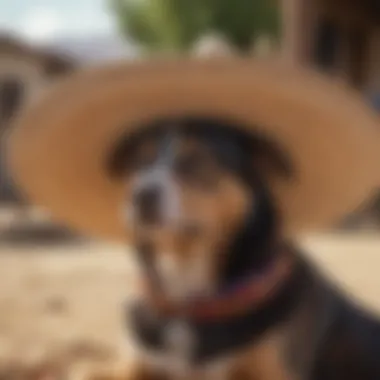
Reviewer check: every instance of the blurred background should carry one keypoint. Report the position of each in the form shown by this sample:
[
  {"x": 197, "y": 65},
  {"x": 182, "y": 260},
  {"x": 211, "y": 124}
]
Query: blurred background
[{"x": 61, "y": 295}]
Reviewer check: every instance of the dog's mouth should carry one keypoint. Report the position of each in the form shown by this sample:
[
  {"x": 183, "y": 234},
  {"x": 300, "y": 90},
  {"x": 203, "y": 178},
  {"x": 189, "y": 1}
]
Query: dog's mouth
[
  {"x": 233, "y": 299},
  {"x": 188, "y": 229}
]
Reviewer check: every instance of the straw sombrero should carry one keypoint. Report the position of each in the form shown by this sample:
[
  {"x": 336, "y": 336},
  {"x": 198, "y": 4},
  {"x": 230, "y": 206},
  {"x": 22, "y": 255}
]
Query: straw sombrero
[{"x": 59, "y": 147}]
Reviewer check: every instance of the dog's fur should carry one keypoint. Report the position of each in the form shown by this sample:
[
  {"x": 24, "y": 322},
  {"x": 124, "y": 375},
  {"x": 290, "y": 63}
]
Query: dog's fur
[{"x": 203, "y": 217}]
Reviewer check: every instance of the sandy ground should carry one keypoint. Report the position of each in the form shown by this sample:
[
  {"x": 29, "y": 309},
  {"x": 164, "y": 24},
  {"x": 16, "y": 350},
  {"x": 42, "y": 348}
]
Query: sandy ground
[{"x": 63, "y": 300}]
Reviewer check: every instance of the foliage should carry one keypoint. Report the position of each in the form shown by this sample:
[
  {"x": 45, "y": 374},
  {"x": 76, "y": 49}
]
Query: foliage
[{"x": 175, "y": 25}]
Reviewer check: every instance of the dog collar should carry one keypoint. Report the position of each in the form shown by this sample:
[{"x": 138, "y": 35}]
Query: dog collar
[
  {"x": 250, "y": 292},
  {"x": 210, "y": 337}
]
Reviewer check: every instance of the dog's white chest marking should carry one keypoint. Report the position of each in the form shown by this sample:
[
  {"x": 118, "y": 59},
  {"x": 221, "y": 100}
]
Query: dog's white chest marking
[
  {"x": 174, "y": 358},
  {"x": 179, "y": 340}
]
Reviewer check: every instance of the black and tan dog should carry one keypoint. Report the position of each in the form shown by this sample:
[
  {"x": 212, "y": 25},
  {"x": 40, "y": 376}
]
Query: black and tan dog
[
  {"x": 212, "y": 207},
  {"x": 227, "y": 297}
]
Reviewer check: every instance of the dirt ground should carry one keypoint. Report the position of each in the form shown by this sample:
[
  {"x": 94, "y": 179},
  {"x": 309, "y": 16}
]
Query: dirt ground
[{"x": 65, "y": 301}]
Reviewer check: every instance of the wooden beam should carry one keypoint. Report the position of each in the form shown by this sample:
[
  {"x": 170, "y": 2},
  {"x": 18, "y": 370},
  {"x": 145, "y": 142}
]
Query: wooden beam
[
  {"x": 299, "y": 21},
  {"x": 351, "y": 12}
]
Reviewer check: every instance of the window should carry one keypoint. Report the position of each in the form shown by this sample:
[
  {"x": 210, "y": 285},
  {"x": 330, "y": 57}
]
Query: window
[
  {"x": 327, "y": 44},
  {"x": 11, "y": 96}
]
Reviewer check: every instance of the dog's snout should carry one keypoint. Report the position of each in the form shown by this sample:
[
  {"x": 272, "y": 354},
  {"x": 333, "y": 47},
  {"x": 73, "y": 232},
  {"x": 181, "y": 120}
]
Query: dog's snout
[{"x": 148, "y": 204}]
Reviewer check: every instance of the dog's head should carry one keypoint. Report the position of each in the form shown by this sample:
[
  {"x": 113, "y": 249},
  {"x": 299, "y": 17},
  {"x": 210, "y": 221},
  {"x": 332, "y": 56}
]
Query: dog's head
[{"x": 200, "y": 204}]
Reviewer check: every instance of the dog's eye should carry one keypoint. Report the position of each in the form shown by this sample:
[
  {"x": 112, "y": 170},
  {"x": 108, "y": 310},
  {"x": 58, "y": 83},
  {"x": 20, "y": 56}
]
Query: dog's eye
[
  {"x": 141, "y": 160},
  {"x": 140, "y": 163},
  {"x": 197, "y": 170}
]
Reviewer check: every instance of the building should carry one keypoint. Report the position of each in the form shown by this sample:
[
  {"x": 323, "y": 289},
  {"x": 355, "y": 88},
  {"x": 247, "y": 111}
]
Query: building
[
  {"x": 24, "y": 72},
  {"x": 94, "y": 49},
  {"x": 341, "y": 37}
]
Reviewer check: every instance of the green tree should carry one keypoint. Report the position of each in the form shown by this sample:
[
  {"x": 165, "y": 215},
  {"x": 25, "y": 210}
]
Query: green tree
[{"x": 175, "y": 25}]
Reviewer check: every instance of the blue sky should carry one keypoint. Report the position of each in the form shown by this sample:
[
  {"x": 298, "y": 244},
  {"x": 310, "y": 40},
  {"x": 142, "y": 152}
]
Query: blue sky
[{"x": 45, "y": 20}]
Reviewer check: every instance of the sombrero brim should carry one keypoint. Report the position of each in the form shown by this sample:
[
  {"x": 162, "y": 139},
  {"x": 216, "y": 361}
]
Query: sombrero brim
[{"x": 58, "y": 148}]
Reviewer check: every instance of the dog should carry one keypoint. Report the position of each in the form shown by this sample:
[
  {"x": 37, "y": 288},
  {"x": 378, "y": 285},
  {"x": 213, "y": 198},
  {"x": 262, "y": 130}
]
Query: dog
[{"x": 225, "y": 294}]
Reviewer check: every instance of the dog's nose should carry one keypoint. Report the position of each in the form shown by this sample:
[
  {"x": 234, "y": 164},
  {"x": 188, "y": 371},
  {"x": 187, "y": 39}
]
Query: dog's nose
[{"x": 147, "y": 204}]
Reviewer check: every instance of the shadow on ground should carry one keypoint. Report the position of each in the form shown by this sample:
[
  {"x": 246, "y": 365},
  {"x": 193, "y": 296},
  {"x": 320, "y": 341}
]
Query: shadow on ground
[{"x": 41, "y": 235}]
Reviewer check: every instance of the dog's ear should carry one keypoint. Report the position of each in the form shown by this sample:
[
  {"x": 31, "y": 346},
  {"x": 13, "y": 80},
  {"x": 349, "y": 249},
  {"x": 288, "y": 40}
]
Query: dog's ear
[{"x": 270, "y": 158}]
